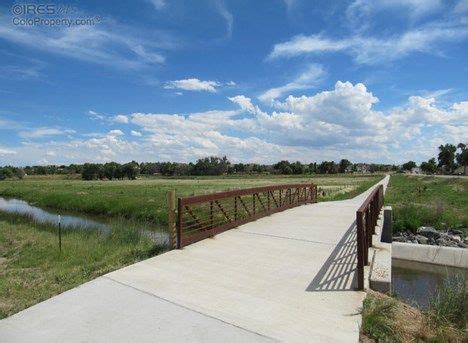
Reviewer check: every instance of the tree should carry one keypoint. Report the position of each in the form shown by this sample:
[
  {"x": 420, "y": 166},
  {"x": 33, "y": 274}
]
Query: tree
[
  {"x": 283, "y": 167},
  {"x": 19, "y": 173},
  {"x": 109, "y": 170},
  {"x": 344, "y": 164},
  {"x": 211, "y": 166},
  {"x": 446, "y": 157},
  {"x": 462, "y": 156},
  {"x": 327, "y": 167},
  {"x": 131, "y": 170},
  {"x": 312, "y": 168},
  {"x": 297, "y": 168},
  {"x": 408, "y": 165},
  {"x": 91, "y": 171},
  {"x": 429, "y": 167}
]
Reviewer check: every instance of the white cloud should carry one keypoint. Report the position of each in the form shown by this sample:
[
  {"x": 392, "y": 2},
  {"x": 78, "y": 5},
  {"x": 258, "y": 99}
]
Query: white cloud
[
  {"x": 244, "y": 102},
  {"x": 227, "y": 16},
  {"x": 338, "y": 123},
  {"x": 309, "y": 78},
  {"x": 192, "y": 85},
  {"x": 158, "y": 4},
  {"x": 43, "y": 132},
  {"x": 371, "y": 50},
  {"x": 413, "y": 8},
  {"x": 120, "y": 119},
  {"x": 5, "y": 152},
  {"x": 114, "y": 45},
  {"x": 115, "y": 133},
  {"x": 95, "y": 115}
]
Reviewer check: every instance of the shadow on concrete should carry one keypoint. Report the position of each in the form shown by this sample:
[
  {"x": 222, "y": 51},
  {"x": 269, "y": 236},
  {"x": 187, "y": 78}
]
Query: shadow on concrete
[{"x": 338, "y": 273}]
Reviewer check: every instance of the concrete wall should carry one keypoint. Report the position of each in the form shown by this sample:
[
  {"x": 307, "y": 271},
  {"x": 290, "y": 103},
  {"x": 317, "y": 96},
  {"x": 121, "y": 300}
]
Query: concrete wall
[
  {"x": 380, "y": 254},
  {"x": 446, "y": 256}
]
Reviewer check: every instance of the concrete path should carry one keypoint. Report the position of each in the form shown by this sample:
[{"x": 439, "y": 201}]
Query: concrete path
[{"x": 287, "y": 277}]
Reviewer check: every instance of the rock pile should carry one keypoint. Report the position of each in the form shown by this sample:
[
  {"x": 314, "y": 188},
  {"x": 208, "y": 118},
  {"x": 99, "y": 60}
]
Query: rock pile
[{"x": 431, "y": 236}]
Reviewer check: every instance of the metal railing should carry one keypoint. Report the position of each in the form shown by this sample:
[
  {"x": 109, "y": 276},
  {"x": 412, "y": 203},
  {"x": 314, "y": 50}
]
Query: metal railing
[
  {"x": 366, "y": 221},
  {"x": 202, "y": 216}
]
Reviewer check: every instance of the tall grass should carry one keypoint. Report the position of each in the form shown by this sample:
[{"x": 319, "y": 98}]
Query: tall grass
[
  {"x": 427, "y": 201},
  {"x": 449, "y": 306},
  {"x": 378, "y": 317},
  {"x": 33, "y": 269}
]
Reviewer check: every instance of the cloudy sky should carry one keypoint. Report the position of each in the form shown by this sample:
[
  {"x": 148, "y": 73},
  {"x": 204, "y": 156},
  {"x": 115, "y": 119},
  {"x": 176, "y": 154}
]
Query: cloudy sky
[{"x": 258, "y": 81}]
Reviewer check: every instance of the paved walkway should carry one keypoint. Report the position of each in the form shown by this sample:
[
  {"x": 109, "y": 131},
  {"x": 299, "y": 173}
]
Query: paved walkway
[{"x": 287, "y": 277}]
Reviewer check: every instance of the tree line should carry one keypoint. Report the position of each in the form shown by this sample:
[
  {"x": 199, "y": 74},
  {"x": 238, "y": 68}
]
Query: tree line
[
  {"x": 449, "y": 159},
  {"x": 202, "y": 167}
]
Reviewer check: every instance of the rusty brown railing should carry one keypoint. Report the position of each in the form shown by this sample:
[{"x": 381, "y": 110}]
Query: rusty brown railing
[
  {"x": 366, "y": 221},
  {"x": 202, "y": 216}
]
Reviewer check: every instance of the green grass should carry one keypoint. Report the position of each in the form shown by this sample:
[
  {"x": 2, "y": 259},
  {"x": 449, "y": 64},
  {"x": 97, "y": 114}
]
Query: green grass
[
  {"x": 378, "y": 318},
  {"x": 449, "y": 306},
  {"x": 32, "y": 268},
  {"x": 145, "y": 199},
  {"x": 427, "y": 201},
  {"x": 386, "y": 319}
]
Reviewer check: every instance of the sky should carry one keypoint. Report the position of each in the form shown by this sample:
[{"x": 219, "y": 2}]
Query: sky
[{"x": 258, "y": 81}]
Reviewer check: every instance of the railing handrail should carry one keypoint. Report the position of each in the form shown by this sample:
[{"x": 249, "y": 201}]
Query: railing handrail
[
  {"x": 369, "y": 198},
  {"x": 203, "y": 216},
  {"x": 366, "y": 220},
  {"x": 194, "y": 199}
]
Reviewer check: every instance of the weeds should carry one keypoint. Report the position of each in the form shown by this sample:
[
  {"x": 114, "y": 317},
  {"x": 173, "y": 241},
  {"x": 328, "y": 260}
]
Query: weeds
[
  {"x": 378, "y": 317},
  {"x": 427, "y": 201},
  {"x": 448, "y": 308}
]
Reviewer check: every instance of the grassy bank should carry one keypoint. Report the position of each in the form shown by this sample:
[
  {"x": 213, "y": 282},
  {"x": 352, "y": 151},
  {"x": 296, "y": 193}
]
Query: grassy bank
[
  {"x": 429, "y": 201},
  {"x": 386, "y": 319},
  {"x": 32, "y": 268},
  {"x": 145, "y": 199}
]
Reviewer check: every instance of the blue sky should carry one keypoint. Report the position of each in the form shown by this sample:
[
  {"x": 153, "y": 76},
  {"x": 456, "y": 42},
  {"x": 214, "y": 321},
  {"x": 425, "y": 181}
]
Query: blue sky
[{"x": 258, "y": 81}]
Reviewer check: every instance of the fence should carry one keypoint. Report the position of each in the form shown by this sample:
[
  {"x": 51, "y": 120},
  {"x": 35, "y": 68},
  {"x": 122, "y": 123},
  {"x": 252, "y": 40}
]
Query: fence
[
  {"x": 202, "y": 216},
  {"x": 366, "y": 220}
]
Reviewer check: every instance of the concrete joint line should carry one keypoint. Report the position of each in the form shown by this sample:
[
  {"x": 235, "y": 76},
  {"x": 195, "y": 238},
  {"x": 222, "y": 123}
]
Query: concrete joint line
[{"x": 185, "y": 307}]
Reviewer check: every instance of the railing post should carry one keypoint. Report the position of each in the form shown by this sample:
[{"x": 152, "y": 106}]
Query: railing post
[
  {"x": 171, "y": 204},
  {"x": 268, "y": 200},
  {"x": 179, "y": 224},
  {"x": 235, "y": 208},
  {"x": 361, "y": 247},
  {"x": 211, "y": 215},
  {"x": 253, "y": 203}
]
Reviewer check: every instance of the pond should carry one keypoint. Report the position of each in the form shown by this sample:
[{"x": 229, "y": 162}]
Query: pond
[
  {"x": 415, "y": 283},
  {"x": 69, "y": 221}
]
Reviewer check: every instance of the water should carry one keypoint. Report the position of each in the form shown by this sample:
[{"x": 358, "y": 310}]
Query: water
[
  {"x": 68, "y": 221},
  {"x": 415, "y": 282}
]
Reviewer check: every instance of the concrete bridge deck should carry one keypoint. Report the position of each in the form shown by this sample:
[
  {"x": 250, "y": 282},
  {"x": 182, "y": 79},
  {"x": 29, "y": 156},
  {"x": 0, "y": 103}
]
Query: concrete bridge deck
[{"x": 286, "y": 277}]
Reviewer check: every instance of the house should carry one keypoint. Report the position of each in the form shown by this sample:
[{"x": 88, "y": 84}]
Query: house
[{"x": 461, "y": 170}]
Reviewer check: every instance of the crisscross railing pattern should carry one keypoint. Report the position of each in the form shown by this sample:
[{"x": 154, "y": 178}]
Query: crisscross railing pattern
[
  {"x": 366, "y": 221},
  {"x": 204, "y": 216}
]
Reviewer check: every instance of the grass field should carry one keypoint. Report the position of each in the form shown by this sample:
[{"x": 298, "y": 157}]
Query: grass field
[
  {"x": 429, "y": 201},
  {"x": 145, "y": 199},
  {"x": 32, "y": 268}
]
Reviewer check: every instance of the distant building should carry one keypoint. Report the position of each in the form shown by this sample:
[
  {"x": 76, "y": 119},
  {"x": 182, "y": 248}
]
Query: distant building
[
  {"x": 462, "y": 170},
  {"x": 362, "y": 168}
]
